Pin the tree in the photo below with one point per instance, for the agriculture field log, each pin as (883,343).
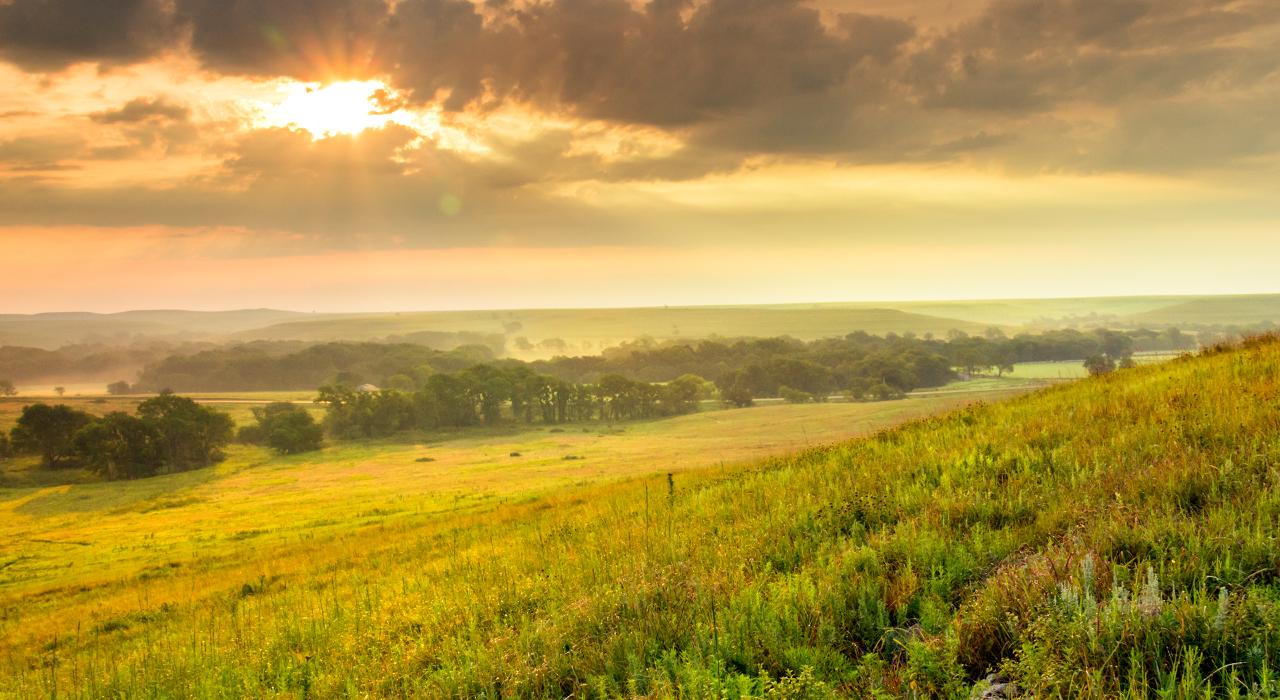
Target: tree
(191,435)
(119,388)
(795,395)
(287,428)
(884,392)
(681,395)
(400,382)
(736,393)
(1116,346)
(48,431)
(120,446)
(858,389)
(60,390)
(1099,365)
(7,388)
(6,448)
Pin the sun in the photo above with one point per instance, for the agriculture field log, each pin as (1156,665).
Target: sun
(347,107)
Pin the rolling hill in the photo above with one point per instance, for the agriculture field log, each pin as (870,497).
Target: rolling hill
(1237,310)
(602,327)
(1114,537)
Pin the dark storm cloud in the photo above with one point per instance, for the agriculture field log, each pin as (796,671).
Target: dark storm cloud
(672,63)
(52,34)
(734,79)
(307,39)
(1024,55)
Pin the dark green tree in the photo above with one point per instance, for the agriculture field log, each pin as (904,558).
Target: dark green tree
(191,435)
(287,428)
(48,431)
(7,388)
(119,446)
(681,395)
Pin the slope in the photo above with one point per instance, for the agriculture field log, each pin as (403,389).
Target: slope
(1110,538)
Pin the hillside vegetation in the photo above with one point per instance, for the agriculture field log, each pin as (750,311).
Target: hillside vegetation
(1109,538)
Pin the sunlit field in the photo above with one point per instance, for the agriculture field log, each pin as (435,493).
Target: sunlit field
(1111,537)
(80,552)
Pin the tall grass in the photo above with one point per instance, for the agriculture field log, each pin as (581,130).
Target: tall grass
(1111,538)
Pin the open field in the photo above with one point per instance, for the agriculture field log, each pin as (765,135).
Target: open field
(81,548)
(1108,538)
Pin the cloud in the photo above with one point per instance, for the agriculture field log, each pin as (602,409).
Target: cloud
(671,63)
(305,39)
(53,34)
(143,109)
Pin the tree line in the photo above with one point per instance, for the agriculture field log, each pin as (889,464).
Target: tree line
(489,394)
(858,365)
(168,433)
(285,366)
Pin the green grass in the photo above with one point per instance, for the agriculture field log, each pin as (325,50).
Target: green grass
(78,552)
(1114,537)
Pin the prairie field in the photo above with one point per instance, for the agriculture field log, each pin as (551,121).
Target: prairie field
(1112,537)
(77,552)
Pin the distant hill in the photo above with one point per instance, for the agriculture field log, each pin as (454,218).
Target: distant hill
(532,332)
(53,330)
(1240,310)
(587,329)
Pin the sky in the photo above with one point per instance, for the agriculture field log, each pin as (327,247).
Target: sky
(363,155)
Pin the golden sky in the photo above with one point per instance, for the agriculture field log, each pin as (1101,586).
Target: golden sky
(418,154)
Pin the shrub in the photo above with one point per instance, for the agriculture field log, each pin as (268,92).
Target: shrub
(285,428)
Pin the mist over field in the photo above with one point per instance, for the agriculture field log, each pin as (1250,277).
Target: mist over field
(794,349)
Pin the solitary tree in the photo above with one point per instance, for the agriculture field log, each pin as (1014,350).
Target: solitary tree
(118,388)
(1099,365)
(60,390)
(7,388)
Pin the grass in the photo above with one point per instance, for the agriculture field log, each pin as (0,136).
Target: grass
(81,552)
(1108,538)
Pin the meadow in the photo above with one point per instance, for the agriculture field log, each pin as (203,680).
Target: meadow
(76,550)
(1112,537)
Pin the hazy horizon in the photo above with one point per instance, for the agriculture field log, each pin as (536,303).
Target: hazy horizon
(832,302)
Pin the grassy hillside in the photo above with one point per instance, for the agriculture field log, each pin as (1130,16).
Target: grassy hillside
(1237,310)
(53,330)
(1108,538)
